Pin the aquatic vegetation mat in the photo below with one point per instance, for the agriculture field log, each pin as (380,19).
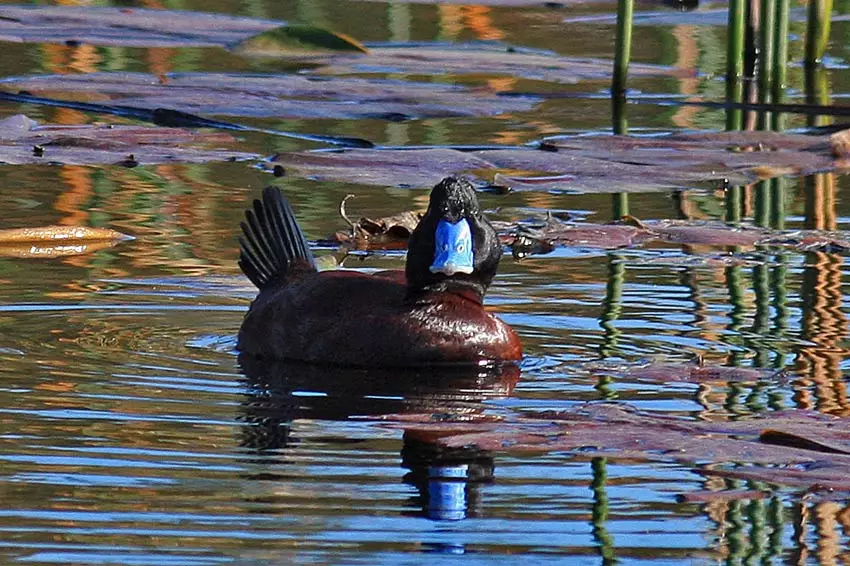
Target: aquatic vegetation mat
(590,164)
(280,95)
(793,447)
(25,141)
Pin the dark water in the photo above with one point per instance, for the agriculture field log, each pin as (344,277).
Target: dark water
(131,434)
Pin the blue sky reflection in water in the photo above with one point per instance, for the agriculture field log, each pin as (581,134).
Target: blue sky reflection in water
(132,434)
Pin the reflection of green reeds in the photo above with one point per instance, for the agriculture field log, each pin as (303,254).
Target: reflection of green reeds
(599,513)
(734,197)
(763,203)
(778,283)
(612,305)
(735,287)
(761,318)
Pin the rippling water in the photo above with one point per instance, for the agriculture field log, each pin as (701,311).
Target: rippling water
(132,433)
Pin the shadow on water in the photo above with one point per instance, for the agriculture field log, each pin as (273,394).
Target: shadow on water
(448,480)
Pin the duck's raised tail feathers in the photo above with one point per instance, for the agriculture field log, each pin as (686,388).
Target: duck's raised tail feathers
(271,241)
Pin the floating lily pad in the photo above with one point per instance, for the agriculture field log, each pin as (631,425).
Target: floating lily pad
(22,141)
(288,96)
(590,164)
(125,26)
(483,61)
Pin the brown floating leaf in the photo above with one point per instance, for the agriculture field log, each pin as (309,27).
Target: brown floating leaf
(618,431)
(692,373)
(125,26)
(728,495)
(286,95)
(592,165)
(22,141)
(482,61)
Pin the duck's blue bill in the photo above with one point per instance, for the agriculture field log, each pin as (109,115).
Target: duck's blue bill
(452,248)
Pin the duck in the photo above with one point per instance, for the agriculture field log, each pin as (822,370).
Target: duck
(430,314)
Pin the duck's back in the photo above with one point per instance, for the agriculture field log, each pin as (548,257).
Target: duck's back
(351,318)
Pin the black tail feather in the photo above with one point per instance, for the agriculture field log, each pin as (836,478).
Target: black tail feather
(271,240)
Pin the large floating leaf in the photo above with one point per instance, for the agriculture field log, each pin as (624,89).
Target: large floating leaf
(483,60)
(590,164)
(125,26)
(290,96)
(797,441)
(22,140)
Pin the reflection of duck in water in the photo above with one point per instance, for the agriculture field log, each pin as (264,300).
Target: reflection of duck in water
(282,392)
(431,314)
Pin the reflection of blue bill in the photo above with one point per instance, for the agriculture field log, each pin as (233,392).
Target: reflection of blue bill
(447,492)
(452,248)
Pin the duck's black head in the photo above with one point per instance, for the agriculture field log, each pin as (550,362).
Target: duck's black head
(454,245)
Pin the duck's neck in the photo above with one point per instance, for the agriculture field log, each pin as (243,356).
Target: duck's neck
(466,288)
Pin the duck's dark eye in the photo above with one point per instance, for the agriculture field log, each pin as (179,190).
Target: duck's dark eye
(460,248)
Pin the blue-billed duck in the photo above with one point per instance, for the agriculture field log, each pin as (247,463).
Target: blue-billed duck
(429,314)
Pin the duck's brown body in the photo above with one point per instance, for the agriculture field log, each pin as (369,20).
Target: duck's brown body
(430,314)
(357,319)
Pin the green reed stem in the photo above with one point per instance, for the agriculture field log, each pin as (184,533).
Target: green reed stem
(735,62)
(622,47)
(780,61)
(599,511)
(767,47)
(817,30)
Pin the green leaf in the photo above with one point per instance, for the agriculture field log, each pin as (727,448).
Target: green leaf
(296,39)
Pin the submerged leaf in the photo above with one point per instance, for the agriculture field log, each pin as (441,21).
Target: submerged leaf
(297,39)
